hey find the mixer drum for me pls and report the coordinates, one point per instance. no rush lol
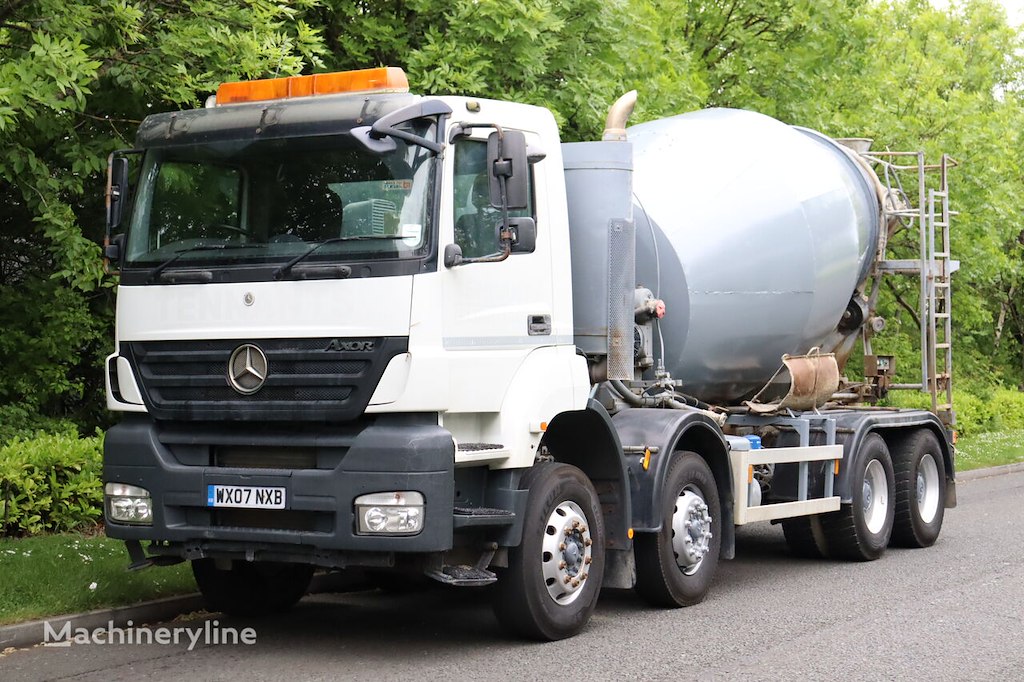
(755, 234)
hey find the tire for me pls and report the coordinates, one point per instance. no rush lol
(563, 538)
(674, 566)
(251, 589)
(861, 530)
(805, 537)
(920, 474)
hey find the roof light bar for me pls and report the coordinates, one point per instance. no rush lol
(380, 80)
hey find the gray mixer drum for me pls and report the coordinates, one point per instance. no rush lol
(755, 234)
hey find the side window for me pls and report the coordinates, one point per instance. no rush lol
(477, 223)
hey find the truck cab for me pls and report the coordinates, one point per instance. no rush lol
(301, 377)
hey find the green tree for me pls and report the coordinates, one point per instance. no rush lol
(573, 56)
(75, 79)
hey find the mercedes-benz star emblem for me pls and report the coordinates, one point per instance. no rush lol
(247, 369)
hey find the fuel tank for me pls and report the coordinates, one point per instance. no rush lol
(755, 233)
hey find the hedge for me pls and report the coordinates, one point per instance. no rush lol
(50, 483)
(998, 409)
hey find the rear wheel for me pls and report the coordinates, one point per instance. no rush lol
(920, 489)
(553, 579)
(251, 588)
(674, 566)
(805, 537)
(861, 530)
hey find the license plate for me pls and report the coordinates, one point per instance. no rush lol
(245, 496)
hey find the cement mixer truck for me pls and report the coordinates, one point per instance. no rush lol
(361, 329)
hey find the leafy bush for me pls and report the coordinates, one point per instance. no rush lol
(50, 483)
(21, 421)
(975, 412)
(1008, 406)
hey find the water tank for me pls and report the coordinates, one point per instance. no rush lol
(756, 235)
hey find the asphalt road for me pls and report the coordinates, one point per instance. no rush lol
(953, 611)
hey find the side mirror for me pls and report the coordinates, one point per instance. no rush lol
(524, 234)
(117, 191)
(113, 250)
(506, 158)
(452, 255)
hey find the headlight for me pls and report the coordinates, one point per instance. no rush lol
(128, 504)
(394, 513)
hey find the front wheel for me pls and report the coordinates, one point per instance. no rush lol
(674, 566)
(920, 489)
(251, 589)
(553, 579)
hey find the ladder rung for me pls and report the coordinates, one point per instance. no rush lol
(941, 316)
(941, 346)
(941, 284)
(941, 254)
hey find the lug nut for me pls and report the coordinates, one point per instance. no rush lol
(575, 583)
(575, 524)
(587, 560)
(562, 565)
(568, 579)
(561, 547)
(588, 542)
(584, 576)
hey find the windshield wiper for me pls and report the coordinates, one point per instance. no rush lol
(155, 272)
(282, 271)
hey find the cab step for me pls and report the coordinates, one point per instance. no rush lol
(463, 576)
(482, 516)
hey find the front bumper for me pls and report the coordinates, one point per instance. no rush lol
(176, 463)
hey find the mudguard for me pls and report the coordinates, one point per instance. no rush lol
(663, 433)
(852, 427)
(587, 439)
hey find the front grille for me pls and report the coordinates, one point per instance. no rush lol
(249, 457)
(274, 519)
(267, 394)
(306, 379)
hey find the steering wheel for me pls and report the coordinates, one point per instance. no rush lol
(224, 227)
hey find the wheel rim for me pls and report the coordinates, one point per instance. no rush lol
(927, 488)
(691, 530)
(566, 552)
(876, 496)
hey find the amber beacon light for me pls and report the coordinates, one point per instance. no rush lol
(384, 79)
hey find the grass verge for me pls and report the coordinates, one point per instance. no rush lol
(51, 575)
(990, 449)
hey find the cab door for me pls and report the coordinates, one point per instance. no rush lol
(495, 313)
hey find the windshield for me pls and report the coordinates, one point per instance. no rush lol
(270, 200)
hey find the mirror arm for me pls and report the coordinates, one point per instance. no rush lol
(493, 258)
(435, 147)
(373, 136)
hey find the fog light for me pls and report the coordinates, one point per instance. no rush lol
(128, 504)
(396, 513)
